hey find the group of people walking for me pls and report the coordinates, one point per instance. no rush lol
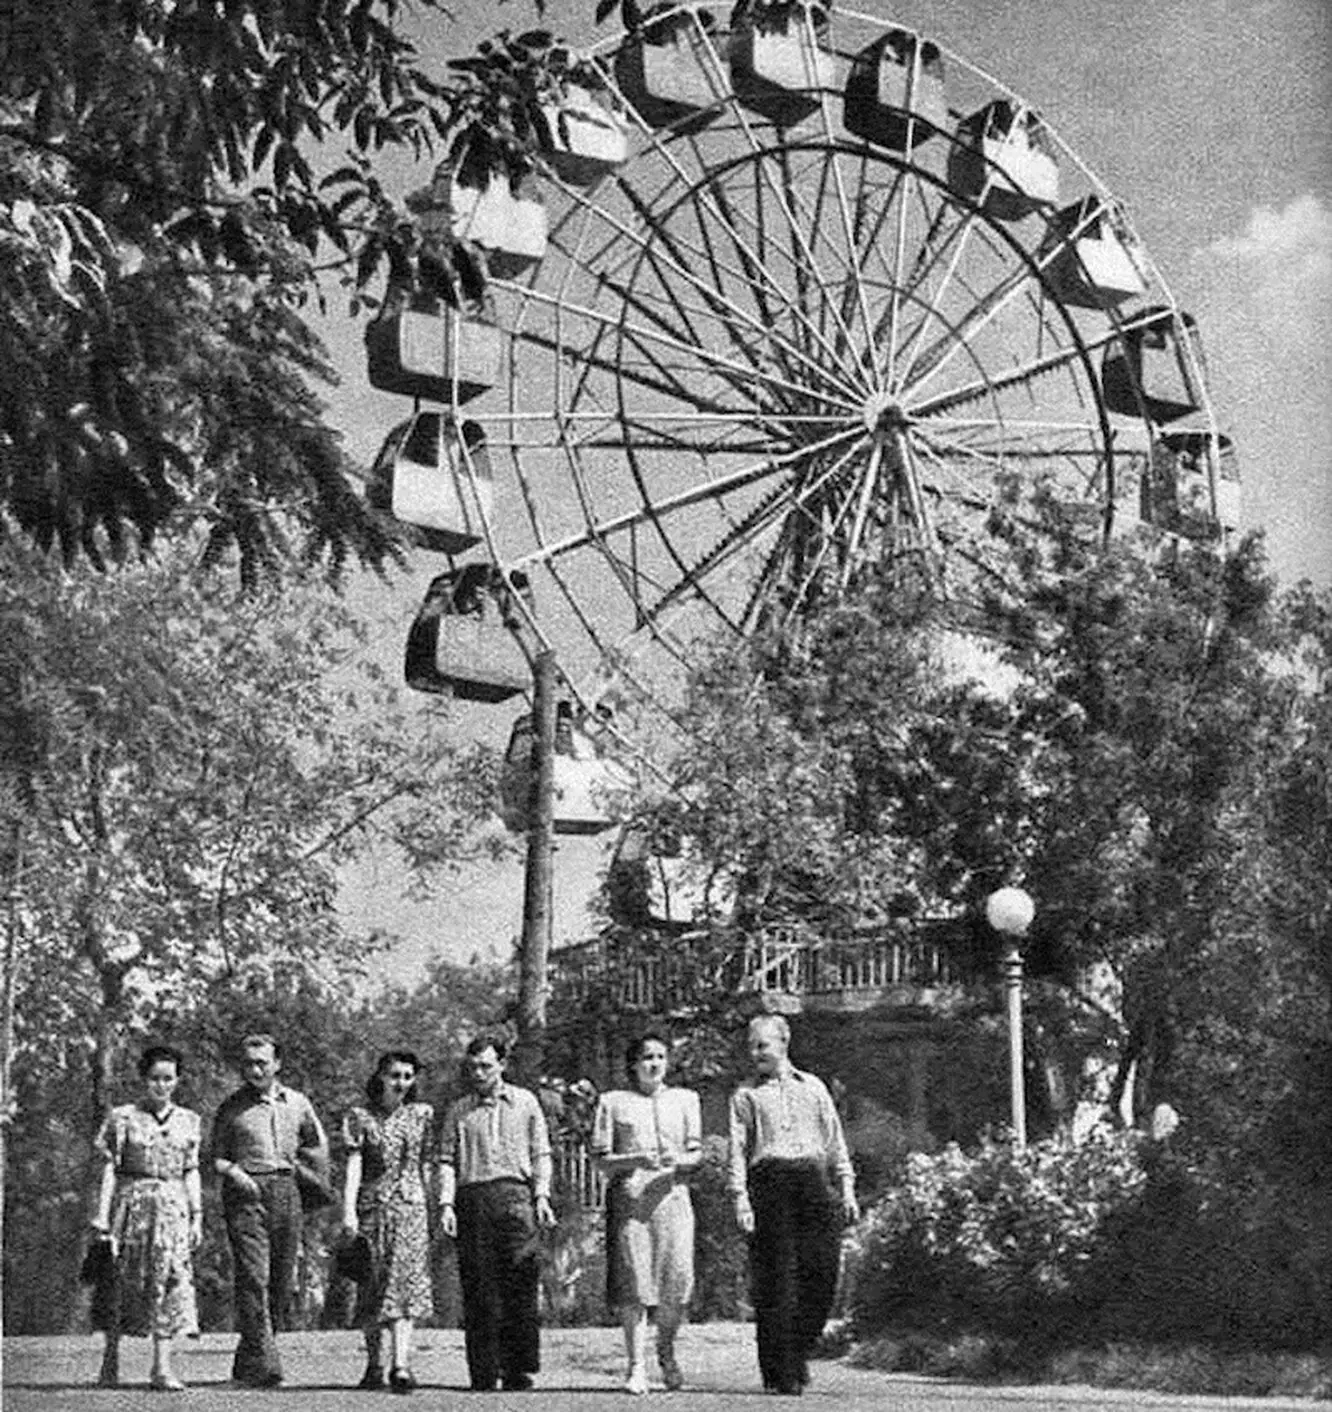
(487, 1167)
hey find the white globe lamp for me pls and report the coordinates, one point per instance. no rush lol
(1010, 910)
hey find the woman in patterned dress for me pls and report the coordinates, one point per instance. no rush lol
(390, 1159)
(149, 1207)
(647, 1139)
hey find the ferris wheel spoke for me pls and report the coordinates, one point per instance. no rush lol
(753, 277)
(985, 310)
(855, 292)
(1022, 376)
(788, 502)
(772, 583)
(693, 495)
(939, 293)
(764, 259)
(683, 267)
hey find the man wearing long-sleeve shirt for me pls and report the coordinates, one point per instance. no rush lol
(794, 1187)
(495, 1173)
(259, 1134)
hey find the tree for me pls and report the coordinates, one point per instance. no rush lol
(162, 208)
(1110, 741)
(189, 769)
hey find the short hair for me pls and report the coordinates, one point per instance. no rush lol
(634, 1052)
(259, 1038)
(160, 1054)
(776, 1023)
(482, 1042)
(374, 1085)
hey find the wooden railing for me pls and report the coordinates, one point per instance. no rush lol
(578, 1180)
(682, 971)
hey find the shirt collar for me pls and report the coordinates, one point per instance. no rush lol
(503, 1094)
(787, 1071)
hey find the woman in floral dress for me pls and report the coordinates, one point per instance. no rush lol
(390, 1167)
(647, 1139)
(149, 1207)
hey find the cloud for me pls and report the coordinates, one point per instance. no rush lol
(1283, 258)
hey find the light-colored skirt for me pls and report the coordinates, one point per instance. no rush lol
(649, 1243)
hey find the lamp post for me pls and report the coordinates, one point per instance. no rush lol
(1010, 911)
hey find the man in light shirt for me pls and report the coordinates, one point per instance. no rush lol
(260, 1135)
(794, 1188)
(495, 1173)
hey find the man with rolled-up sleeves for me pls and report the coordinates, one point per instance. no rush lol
(495, 1175)
(794, 1189)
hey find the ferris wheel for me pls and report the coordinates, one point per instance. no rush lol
(799, 293)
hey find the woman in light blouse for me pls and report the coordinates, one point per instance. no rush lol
(647, 1138)
(149, 1206)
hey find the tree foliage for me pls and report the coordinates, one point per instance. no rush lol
(195, 766)
(1139, 739)
(161, 209)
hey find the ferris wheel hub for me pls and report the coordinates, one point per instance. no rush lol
(884, 416)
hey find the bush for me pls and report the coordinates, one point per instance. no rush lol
(1002, 1240)
(721, 1256)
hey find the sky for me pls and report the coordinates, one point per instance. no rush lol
(1210, 120)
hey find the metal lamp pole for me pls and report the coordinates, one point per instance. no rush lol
(1010, 911)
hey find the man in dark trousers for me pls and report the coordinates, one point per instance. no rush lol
(495, 1171)
(794, 1189)
(261, 1133)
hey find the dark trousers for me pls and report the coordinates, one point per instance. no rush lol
(794, 1255)
(498, 1266)
(265, 1236)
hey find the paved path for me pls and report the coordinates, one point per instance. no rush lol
(581, 1374)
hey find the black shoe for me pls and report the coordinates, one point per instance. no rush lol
(372, 1378)
(400, 1380)
(517, 1382)
(481, 1385)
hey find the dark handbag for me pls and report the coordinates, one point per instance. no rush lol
(311, 1172)
(352, 1259)
(99, 1262)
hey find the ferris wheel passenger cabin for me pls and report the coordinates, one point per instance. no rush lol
(467, 638)
(1184, 466)
(583, 139)
(779, 65)
(1003, 160)
(1089, 257)
(666, 72)
(1154, 369)
(424, 349)
(586, 779)
(894, 93)
(435, 475)
(508, 222)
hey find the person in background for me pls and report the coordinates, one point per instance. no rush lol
(149, 1206)
(647, 1139)
(794, 1187)
(495, 1164)
(390, 1145)
(260, 1134)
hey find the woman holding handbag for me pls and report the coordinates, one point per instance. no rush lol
(149, 1211)
(390, 1144)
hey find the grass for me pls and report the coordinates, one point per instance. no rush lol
(1200, 1369)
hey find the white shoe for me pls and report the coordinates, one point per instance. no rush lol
(636, 1382)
